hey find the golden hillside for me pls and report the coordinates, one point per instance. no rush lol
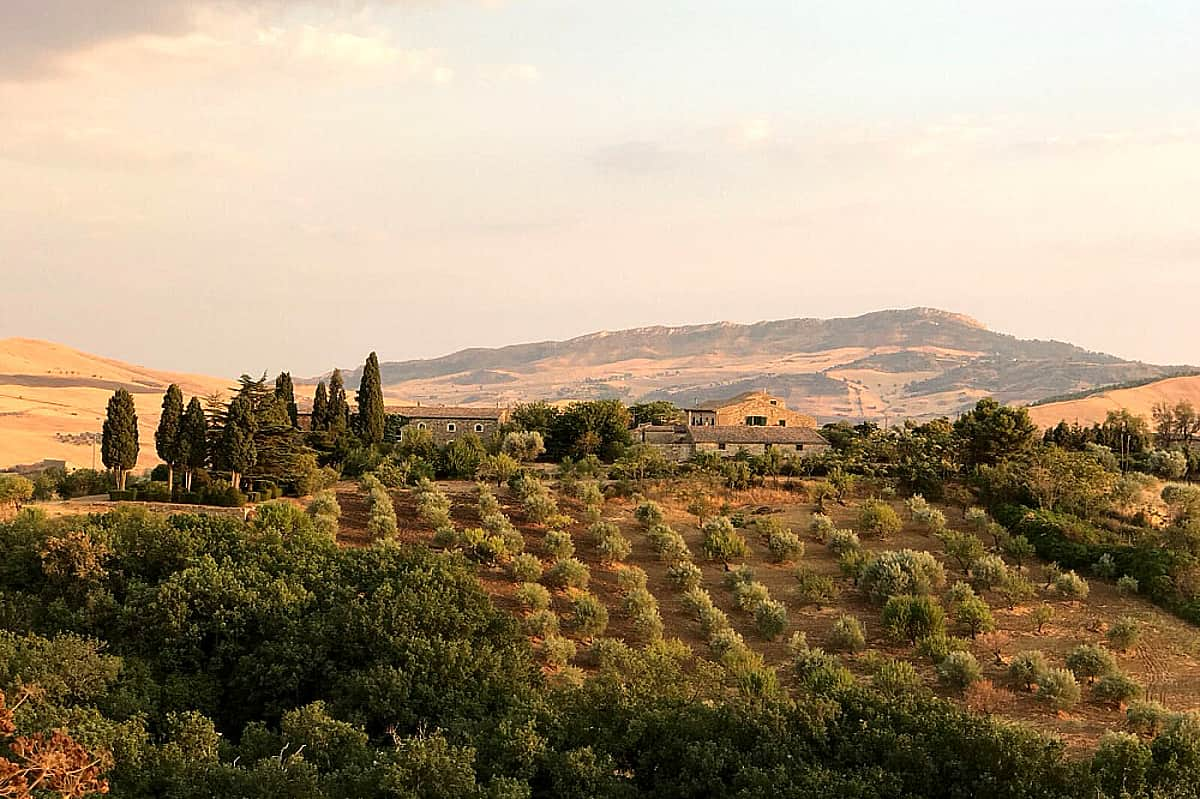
(1140, 400)
(50, 392)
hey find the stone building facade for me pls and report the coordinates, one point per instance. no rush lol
(681, 442)
(446, 423)
(750, 409)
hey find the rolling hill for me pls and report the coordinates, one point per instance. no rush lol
(915, 363)
(1139, 400)
(51, 393)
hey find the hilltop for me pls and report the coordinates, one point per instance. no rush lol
(50, 393)
(919, 363)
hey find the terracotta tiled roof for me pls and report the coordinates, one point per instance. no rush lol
(444, 412)
(743, 434)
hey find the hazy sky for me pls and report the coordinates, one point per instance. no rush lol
(265, 184)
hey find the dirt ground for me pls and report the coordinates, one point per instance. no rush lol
(1166, 660)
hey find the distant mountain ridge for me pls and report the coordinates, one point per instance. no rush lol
(917, 362)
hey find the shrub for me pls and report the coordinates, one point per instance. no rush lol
(1019, 548)
(725, 639)
(848, 634)
(910, 618)
(558, 544)
(917, 506)
(821, 527)
(1127, 584)
(696, 601)
(1025, 668)
(821, 672)
(532, 596)
(722, 542)
(785, 546)
(556, 650)
(963, 548)
(1124, 633)
(649, 513)
(631, 578)
(1120, 764)
(540, 623)
(642, 609)
(959, 669)
(897, 678)
(1147, 718)
(960, 592)
(482, 547)
(498, 524)
(1071, 586)
(613, 547)
(878, 519)
(853, 563)
(903, 572)
(974, 615)
(1087, 662)
(1015, 589)
(937, 646)
(770, 619)
(488, 504)
(1043, 614)
(815, 589)
(988, 571)
(446, 537)
(747, 595)
(843, 541)
(1105, 567)
(1058, 688)
(684, 575)
(713, 619)
(1116, 689)
(589, 617)
(977, 518)
(669, 544)
(982, 696)
(325, 512)
(525, 568)
(433, 506)
(567, 573)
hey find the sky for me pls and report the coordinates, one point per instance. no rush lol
(248, 185)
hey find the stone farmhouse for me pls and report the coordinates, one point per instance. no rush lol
(754, 423)
(446, 423)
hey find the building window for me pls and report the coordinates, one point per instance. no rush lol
(756, 421)
(799, 446)
(721, 445)
(774, 402)
(420, 425)
(451, 427)
(783, 422)
(478, 428)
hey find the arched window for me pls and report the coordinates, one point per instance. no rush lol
(478, 428)
(420, 425)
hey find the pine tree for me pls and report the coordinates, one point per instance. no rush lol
(119, 439)
(320, 409)
(166, 437)
(286, 392)
(339, 408)
(193, 441)
(371, 416)
(237, 439)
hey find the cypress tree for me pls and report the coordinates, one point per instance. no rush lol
(193, 441)
(339, 408)
(119, 439)
(237, 439)
(370, 403)
(286, 392)
(320, 409)
(166, 437)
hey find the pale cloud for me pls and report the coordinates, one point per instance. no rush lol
(754, 132)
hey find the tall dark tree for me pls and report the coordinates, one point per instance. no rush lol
(371, 417)
(119, 440)
(320, 408)
(166, 437)
(237, 439)
(193, 441)
(991, 432)
(339, 408)
(287, 393)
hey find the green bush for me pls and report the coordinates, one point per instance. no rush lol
(532, 596)
(1071, 586)
(1087, 662)
(1058, 688)
(1124, 633)
(556, 650)
(938, 645)
(1147, 718)
(589, 617)
(1120, 765)
(558, 544)
(649, 513)
(612, 546)
(482, 547)
(974, 615)
(747, 596)
(878, 519)
(904, 572)
(815, 589)
(848, 634)
(770, 619)
(959, 670)
(821, 527)
(631, 578)
(567, 573)
(540, 623)
(988, 571)
(785, 546)
(897, 678)
(911, 618)
(1025, 668)
(446, 537)
(1015, 589)
(525, 568)
(684, 575)
(722, 542)
(1127, 584)
(1116, 689)
(843, 541)
(641, 608)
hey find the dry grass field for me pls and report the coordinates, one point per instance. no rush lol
(1139, 401)
(1166, 661)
